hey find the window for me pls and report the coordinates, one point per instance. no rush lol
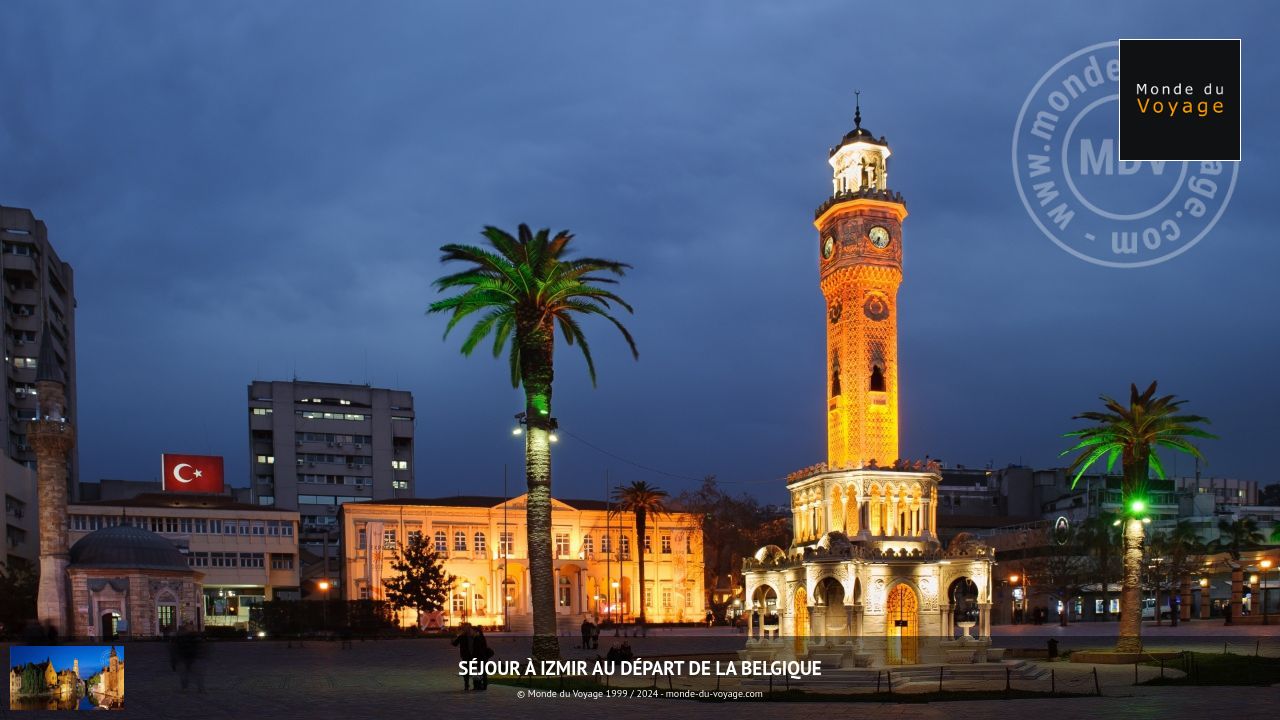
(267, 500)
(266, 459)
(399, 464)
(362, 538)
(442, 542)
(364, 592)
(185, 525)
(164, 614)
(605, 545)
(259, 527)
(624, 547)
(413, 537)
(460, 541)
(459, 603)
(400, 484)
(566, 592)
(667, 600)
(588, 545)
(479, 542)
(688, 544)
(228, 527)
(24, 362)
(388, 539)
(648, 596)
(666, 543)
(215, 527)
(262, 411)
(281, 561)
(198, 559)
(507, 543)
(562, 544)
(244, 527)
(648, 543)
(877, 379)
(251, 560)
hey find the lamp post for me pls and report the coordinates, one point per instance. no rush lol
(466, 598)
(1204, 598)
(1013, 580)
(1266, 591)
(324, 604)
(616, 599)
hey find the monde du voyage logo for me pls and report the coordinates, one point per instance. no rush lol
(1123, 152)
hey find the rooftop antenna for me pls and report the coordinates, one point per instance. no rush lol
(857, 109)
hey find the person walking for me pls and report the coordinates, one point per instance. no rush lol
(466, 644)
(586, 633)
(480, 647)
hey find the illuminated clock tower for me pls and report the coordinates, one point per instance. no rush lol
(860, 261)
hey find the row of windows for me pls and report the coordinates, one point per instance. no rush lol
(244, 560)
(334, 480)
(563, 543)
(328, 499)
(325, 401)
(357, 460)
(318, 415)
(186, 525)
(336, 438)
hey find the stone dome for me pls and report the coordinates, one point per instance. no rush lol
(127, 547)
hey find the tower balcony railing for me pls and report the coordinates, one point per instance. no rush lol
(861, 194)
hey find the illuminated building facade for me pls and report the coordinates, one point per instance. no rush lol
(865, 578)
(483, 543)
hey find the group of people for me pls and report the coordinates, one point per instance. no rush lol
(472, 646)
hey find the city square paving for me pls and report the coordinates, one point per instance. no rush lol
(384, 678)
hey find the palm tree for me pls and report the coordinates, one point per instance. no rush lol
(644, 500)
(1132, 433)
(1187, 552)
(524, 287)
(1234, 536)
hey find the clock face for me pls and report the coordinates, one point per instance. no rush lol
(828, 247)
(879, 237)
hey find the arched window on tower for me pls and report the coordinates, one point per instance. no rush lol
(877, 379)
(835, 374)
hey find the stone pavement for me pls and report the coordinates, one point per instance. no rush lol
(383, 679)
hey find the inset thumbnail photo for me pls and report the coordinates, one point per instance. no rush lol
(66, 677)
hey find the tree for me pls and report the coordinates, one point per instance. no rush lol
(1132, 433)
(1100, 536)
(420, 581)
(524, 287)
(643, 500)
(1186, 554)
(1233, 537)
(1060, 568)
(19, 583)
(1270, 495)
(733, 527)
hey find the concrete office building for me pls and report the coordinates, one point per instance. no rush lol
(21, 531)
(39, 297)
(314, 446)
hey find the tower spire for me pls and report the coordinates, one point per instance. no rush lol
(857, 109)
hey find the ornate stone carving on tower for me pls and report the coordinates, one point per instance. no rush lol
(860, 264)
(52, 437)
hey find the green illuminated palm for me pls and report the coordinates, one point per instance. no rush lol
(1132, 434)
(521, 288)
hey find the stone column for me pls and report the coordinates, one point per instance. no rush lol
(52, 437)
(984, 620)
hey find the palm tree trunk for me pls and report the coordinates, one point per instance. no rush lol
(536, 376)
(1130, 639)
(1237, 590)
(641, 522)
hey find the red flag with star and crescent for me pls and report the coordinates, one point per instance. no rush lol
(192, 473)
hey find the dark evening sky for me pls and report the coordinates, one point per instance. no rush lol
(258, 190)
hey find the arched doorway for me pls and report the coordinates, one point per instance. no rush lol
(109, 624)
(902, 621)
(829, 597)
(801, 624)
(962, 596)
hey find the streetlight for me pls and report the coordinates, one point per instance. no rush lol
(614, 607)
(1204, 598)
(324, 603)
(1013, 580)
(466, 598)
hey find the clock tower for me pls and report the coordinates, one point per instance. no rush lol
(860, 266)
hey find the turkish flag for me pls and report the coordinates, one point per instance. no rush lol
(192, 473)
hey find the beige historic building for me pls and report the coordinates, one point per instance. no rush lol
(246, 553)
(483, 540)
(865, 578)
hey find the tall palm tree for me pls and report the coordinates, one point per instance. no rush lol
(1132, 433)
(524, 287)
(1233, 537)
(1187, 552)
(644, 501)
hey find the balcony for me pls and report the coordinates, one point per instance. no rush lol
(867, 194)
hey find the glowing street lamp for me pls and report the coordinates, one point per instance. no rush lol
(1266, 591)
(323, 585)
(616, 599)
